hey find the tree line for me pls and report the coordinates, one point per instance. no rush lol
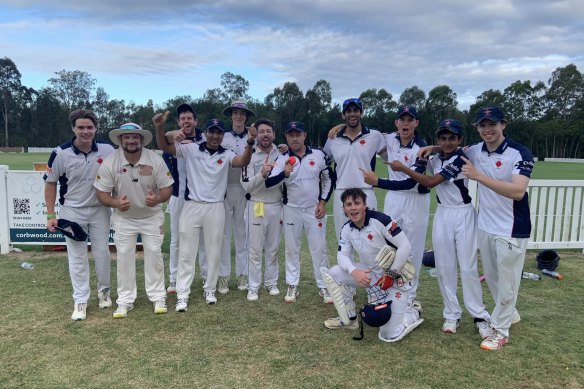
(548, 117)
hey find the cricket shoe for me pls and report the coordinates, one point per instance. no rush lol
(326, 296)
(182, 305)
(171, 288)
(79, 312)
(291, 294)
(495, 341)
(484, 328)
(252, 295)
(450, 326)
(160, 307)
(103, 298)
(122, 311)
(242, 282)
(210, 298)
(223, 285)
(407, 330)
(272, 290)
(335, 323)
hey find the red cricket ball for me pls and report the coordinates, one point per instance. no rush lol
(292, 161)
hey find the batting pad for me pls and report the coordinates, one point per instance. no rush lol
(336, 292)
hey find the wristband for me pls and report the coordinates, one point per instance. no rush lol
(51, 216)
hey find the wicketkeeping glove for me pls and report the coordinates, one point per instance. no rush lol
(385, 259)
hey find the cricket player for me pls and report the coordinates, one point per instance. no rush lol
(454, 232)
(235, 201)
(353, 146)
(74, 165)
(406, 201)
(366, 233)
(306, 175)
(187, 121)
(207, 170)
(263, 213)
(135, 181)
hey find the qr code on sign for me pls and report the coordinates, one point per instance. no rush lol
(21, 206)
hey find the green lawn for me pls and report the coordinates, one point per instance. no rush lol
(270, 344)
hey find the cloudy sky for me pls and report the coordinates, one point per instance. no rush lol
(161, 49)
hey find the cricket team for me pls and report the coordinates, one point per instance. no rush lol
(238, 182)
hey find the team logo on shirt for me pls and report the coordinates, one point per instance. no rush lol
(392, 227)
(498, 164)
(311, 163)
(99, 159)
(219, 161)
(370, 236)
(362, 141)
(406, 158)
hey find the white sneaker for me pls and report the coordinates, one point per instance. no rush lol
(406, 331)
(335, 323)
(291, 294)
(252, 295)
(122, 311)
(516, 318)
(210, 297)
(182, 305)
(484, 328)
(104, 298)
(272, 290)
(326, 296)
(495, 341)
(171, 288)
(79, 312)
(242, 282)
(223, 285)
(160, 307)
(450, 326)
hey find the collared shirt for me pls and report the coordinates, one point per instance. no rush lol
(454, 190)
(500, 215)
(206, 171)
(178, 168)
(254, 183)
(379, 230)
(117, 176)
(406, 155)
(350, 155)
(236, 143)
(309, 182)
(75, 172)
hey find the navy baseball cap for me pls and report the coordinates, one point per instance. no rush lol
(449, 125)
(353, 101)
(294, 126)
(490, 112)
(71, 230)
(185, 108)
(407, 109)
(215, 123)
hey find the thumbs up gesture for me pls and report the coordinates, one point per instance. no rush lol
(123, 203)
(151, 199)
(160, 119)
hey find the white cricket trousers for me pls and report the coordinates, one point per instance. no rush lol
(296, 219)
(95, 221)
(197, 217)
(402, 313)
(126, 231)
(339, 212)
(264, 238)
(175, 206)
(235, 203)
(411, 211)
(503, 260)
(454, 239)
